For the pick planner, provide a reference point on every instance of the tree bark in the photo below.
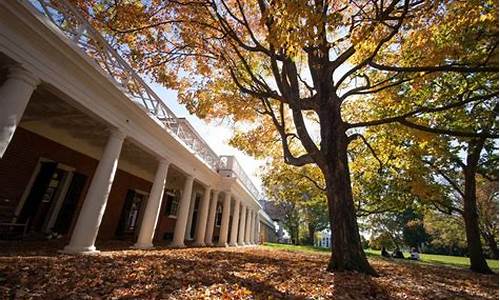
(471, 218)
(347, 251)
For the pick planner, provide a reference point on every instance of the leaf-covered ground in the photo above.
(218, 273)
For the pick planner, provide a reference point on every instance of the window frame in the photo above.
(175, 199)
(218, 215)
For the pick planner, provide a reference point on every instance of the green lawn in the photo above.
(456, 261)
(301, 248)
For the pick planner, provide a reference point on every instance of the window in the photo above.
(133, 212)
(172, 203)
(130, 212)
(218, 215)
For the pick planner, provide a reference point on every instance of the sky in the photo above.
(215, 134)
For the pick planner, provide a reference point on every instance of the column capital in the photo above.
(164, 162)
(116, 133)
(18, 72)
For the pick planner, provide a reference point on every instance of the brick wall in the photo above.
(21, 158)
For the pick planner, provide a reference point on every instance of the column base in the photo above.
(79, 250)
(209, 244)
(177, 246)
(233, 244)
(142, 246)
(222, 245)
(199, 244)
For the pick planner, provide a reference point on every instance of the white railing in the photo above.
(229, 166)
(70, 21)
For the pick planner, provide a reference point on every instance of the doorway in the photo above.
(52, 199)
(131, 214)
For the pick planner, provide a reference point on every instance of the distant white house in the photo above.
(323, 239)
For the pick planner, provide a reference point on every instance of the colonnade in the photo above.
(15, 94)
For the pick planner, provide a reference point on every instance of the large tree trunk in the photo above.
(347, 252)
(471, 218)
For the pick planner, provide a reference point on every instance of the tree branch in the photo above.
(454, 133)
(358, 135)
(442, 68)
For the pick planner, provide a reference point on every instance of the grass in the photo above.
(455, 261)
(297, 248)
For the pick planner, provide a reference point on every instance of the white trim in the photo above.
(65, 167)
(68, 177)
(141, 192)
(171, 193)
(28, 188)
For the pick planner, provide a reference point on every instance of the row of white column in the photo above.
(15, 94)
(243, 228)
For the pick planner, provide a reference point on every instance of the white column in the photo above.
(94, 205)
(252, 227)
(189, 223)
(226, 209)
(150, 218)
(201, 225)
(211, 219)
(241, 234)
(15, 93)
(233, 241)
(256, 220)
(258, 229)
(182, 215)
(247, 226)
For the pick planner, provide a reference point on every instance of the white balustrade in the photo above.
(108, 58)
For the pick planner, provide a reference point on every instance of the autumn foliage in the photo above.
(313, 77)
(245, 273)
